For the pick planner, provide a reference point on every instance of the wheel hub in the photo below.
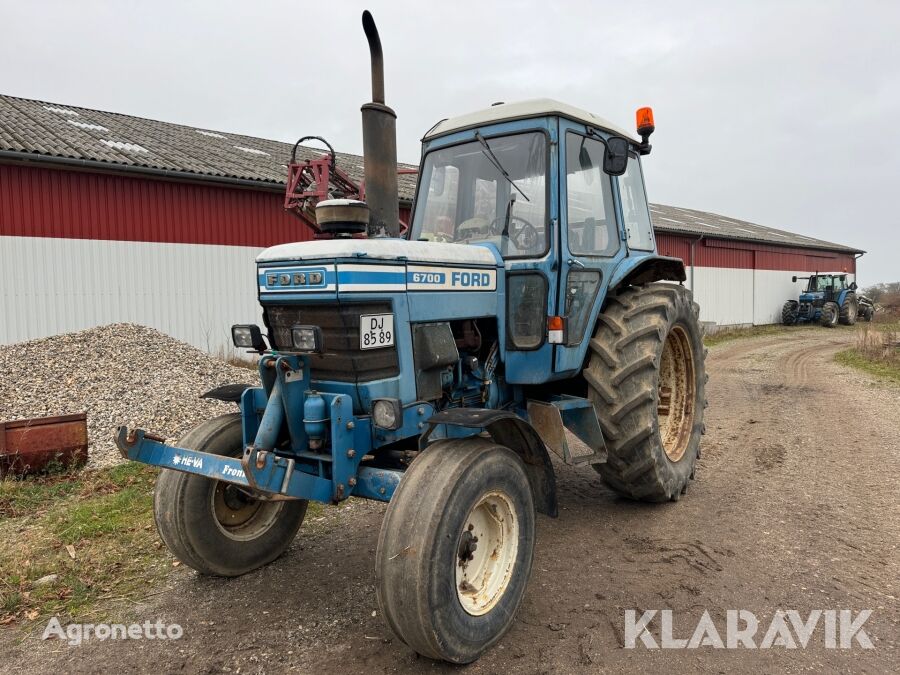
(675, 407)
(486, 553)
(239, 515)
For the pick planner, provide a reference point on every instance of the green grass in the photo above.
(855, 359)
(730, 334)
(104, 516)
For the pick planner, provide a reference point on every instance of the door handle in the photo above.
(571, 262)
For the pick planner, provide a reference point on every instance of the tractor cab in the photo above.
(559, 194)
(825, 287)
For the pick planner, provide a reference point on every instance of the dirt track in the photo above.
(784, 514)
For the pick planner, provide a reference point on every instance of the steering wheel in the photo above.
(442, 237)
(521, 233)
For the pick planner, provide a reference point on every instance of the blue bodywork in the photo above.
(310, 437)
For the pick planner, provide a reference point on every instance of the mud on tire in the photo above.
(647, 380)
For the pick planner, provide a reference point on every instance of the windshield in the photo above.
(823, 281)
(487, 190)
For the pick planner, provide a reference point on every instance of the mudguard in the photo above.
(508, 429)
(644, 269)
(228, 392)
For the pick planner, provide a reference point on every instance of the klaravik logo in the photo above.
(787, 629)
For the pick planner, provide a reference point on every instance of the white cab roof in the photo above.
(380, 249)
(537, 107)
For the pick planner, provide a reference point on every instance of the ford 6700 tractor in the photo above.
(526, 313)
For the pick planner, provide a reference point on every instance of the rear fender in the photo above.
(508, 429)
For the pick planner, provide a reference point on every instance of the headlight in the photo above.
(386, 413)
(306, 338)
(247, 337)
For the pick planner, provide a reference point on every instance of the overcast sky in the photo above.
(780, 113)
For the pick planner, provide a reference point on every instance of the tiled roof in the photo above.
(676, 220)
(56, 130)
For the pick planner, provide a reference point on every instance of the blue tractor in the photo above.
(526, 313)
(828, 300)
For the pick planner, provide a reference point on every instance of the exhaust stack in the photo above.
(379, 146)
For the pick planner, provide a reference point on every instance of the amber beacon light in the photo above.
(645, 127)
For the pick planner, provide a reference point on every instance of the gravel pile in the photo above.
(118, 374)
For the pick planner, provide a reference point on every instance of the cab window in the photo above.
(488, 190)
(635, 211)
(591, 215)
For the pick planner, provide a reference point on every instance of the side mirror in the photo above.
(853, 286)
(794, 279)
(615, 159)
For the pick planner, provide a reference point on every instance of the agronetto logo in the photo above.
(77, 633)
(836, 629)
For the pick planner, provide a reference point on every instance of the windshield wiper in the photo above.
(497, 165)
(508, 218)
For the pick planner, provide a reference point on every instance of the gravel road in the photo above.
(794, 507)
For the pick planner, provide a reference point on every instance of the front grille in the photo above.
(342, 360)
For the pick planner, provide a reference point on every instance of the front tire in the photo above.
(790, 312)
(647, 379)
(215, 527)
(829, 316)
(455, 549)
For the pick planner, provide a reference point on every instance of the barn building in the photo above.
(107, 217)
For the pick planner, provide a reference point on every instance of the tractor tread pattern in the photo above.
(846, 316)
(622, 378)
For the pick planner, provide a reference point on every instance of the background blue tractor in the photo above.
(526, 309)
(828, 299)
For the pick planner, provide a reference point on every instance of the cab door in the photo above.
(591, 238)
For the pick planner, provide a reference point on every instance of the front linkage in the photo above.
(274, 465)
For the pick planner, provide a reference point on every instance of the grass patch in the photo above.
(104, 518)
(855, 359)
(729, 334)
(877, 350)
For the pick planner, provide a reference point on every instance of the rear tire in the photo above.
(455, 549)
(829, 316)
(647, 379)
(215, 527)
(849, 310)
(789, 312)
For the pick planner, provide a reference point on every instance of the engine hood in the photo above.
(384, 249)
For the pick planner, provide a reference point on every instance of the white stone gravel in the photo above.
(117, 374)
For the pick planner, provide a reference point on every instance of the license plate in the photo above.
(376, 331)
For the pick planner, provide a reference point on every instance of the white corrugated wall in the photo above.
(193, 292)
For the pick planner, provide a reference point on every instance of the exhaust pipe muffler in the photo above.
(379, 146)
